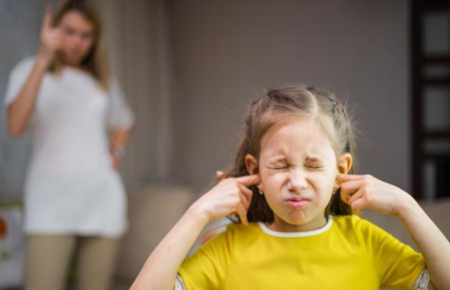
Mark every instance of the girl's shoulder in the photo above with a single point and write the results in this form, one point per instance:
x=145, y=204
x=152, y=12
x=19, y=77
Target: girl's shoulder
x=353, y=222
x=350, y=219
x=237, y=231
x=238, y=228
x=359, y=227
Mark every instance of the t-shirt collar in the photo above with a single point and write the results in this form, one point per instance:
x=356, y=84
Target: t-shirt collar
x=296, y=234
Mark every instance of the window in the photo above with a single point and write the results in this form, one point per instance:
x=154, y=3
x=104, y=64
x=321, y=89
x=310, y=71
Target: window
x=430, y=36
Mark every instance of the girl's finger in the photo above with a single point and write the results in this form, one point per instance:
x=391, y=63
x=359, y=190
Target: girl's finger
x=246, y=192
x=347, y=177
x=354, y=197
x=244, y=201
x=248, y=180
x=242, y=213
x=358, y=205
x=349, y=188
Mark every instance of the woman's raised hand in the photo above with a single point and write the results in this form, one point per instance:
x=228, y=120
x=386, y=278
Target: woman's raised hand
x=229, y=196
x=50, y=37
x=366, y=191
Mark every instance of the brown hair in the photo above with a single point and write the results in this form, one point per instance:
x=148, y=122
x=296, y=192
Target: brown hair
x=277, y=105
x=95, y=61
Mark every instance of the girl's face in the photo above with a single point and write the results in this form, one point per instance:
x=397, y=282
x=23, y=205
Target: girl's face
x=77, y=37
x=298, y=168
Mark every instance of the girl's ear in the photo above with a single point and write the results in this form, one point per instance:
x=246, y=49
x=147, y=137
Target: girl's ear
x=252, y=167
x=345, y=162
x=251, y=163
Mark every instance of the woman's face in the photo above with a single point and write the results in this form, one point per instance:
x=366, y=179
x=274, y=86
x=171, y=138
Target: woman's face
x=298, y=168
x=77, y=37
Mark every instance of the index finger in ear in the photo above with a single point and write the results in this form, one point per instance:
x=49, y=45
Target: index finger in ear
x=248, y=180
x=347, y=177
x=348, y=189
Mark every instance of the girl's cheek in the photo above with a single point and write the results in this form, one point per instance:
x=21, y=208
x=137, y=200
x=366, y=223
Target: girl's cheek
x=274, y=177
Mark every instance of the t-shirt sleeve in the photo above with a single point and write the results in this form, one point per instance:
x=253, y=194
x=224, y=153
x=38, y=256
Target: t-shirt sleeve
x=208, y=267
x=397, y=265
x=17, y=79
x=119, y=113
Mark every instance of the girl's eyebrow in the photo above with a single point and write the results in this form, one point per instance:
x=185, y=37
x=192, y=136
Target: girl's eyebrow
x=277, y=159
x=313, y=158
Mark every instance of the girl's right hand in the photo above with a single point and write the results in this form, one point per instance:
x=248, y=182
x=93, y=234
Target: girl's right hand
x=229, y=196
x=50, y=38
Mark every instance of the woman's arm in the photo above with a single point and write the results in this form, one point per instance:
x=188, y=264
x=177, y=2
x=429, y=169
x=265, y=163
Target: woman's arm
x=229, y=196
x=20, y=110
x=119, y=139
x=365, y=191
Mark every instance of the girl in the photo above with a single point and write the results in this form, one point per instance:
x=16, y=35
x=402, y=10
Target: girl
x=81, y=123
x=293, y=197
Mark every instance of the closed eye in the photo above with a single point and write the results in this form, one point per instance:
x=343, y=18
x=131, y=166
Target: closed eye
x=314, y=166
x=279, y=167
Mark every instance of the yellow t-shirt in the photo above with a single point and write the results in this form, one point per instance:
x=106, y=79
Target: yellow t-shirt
x=347, y=253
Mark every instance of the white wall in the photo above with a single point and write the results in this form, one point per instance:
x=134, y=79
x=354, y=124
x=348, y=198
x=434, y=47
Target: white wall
x=226, y=51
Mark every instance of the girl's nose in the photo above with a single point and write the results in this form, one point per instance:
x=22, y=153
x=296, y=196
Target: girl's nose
x=297, y=180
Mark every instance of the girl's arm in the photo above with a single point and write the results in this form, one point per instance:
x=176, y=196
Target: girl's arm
x=429, y=239
x=160, y=269
x=368, y=192
x=20, y=110
x=229, y=196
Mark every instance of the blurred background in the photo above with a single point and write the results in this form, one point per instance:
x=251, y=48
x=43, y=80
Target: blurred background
x=190, y=68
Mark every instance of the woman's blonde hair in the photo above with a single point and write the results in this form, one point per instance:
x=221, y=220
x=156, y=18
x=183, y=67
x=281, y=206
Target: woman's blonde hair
x=96, y=59
x=296, y=101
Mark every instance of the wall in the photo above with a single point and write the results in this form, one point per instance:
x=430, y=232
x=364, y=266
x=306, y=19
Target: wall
x=190, y=71
x=225, y=52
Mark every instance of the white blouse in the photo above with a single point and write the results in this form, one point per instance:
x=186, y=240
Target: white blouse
x=71, y=187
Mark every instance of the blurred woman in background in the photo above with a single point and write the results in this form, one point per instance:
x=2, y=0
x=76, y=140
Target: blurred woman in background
x=80, y=122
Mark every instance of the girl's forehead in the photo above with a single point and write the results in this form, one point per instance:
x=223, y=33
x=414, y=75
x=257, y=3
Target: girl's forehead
x=299, y=136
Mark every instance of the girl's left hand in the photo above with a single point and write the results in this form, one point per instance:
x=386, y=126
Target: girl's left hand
x=366, y=191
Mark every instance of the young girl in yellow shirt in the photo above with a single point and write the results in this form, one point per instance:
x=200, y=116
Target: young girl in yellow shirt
x=293, y=194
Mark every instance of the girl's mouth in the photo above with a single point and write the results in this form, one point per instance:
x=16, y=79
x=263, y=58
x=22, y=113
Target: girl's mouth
x=297, y=202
